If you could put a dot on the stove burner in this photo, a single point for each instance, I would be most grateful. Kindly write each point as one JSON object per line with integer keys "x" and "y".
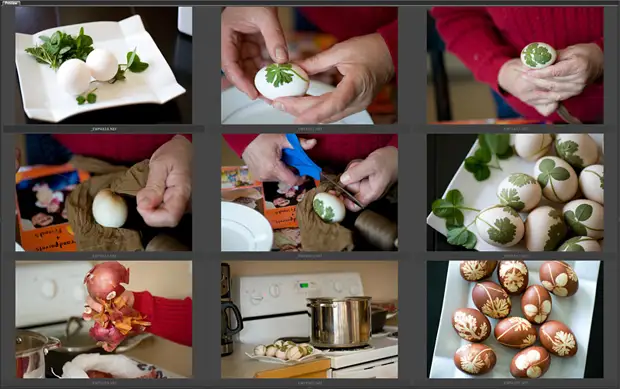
{"x": 343, "y": 350}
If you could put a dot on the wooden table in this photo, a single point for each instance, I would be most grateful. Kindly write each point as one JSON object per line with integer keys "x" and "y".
{"x": 160, "y": 22}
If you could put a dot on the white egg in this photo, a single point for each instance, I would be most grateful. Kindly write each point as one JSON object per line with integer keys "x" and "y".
{"x": 557, "y": 178}
{"x": 278, "y": 343}
{"x": 538, "y": 55}
{"x": 585, "y": 218}
{"x": 519, "y": 191}
{"x": 591, "y": 182}
{"x": 544, "y": 229}
{"x": 532, "y": 146}
{"x": 500, "y": 226}
{"x": 260, "y": 350}
{"x": 294, "y": 353}
{"x": 329, "y": 207}
{"x": 281, "y": 354}
{"x": 109, "y": 209}
{"x": 103, "y": 64}
{"x": 579, "y": 150}
{"x": 581, "y": 243}
{"x": 73, "y": 76}
{"x": 287, "y": 80}
{"x": 270, "y": 351}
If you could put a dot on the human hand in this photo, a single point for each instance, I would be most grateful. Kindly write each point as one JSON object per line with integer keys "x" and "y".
{"x": 366, "y": 64}
{"x": 575, "y": 68}
{"x": 264, "y": 158}
{"x": 167, "y": 194}
{"x": 370, "y": 179}
{"x": 92, "y": 305}
{"x": 512, "y": 78}
{"x": 244, "y": 31}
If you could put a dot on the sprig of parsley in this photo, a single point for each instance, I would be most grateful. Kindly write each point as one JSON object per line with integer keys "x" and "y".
{"x": 89, "y": 97}
{"x": 133, "y": 65}
{"x": 450, "y": 209}
{"x": 60, "y": 47}
{"x": 279, "y": 74}
{"x": 492, "y": 148}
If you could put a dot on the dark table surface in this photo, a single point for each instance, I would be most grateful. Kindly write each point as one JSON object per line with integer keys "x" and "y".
{"x": 453, "y": 149}
{"x": 160, "y": 22}
{"x": 436, "y": 283}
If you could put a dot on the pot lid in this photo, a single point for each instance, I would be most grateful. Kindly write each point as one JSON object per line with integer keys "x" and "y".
{"x": 27, "y": 342}
{"x": 336, "y": 300}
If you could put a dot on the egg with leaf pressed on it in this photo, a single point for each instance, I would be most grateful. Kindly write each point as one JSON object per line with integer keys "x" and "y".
{"x": 73, "y": 76}
{"x": 544, "y": 229}
{"x": 585, "y": 218}
{"x": 500, "y": 226}
{"x": 519, "y": 191}
{"x": 532, "y": 146}
{"x": 330, "y": 208}
{"x": 579, "y": 150}
{"x": 591, "y": 183}
{"x": 557, "y": 179}
{"x": 538, "y": 55}
{"x": 103, "y": 64}
{"x": 281, "y": 80}
{"x": 582, "y": 243}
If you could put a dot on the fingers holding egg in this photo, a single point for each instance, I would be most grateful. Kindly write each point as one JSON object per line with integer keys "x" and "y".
{"x": 281, "y": 80}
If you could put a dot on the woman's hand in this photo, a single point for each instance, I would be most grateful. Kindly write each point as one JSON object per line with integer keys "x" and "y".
{"x": 366, "y": 64}
{"x": 264, "y": 158}
{"x": 97, "y": 307}
{"x": 371, "y": 178}
{"x": 167, "y": 194}
{"x": 576, "y": 67}
{"x": 245, "y": 30}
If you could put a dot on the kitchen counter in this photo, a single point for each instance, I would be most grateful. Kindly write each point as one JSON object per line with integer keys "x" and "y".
{"x": 164, "y": 354}
{"x": 240, "y": 366}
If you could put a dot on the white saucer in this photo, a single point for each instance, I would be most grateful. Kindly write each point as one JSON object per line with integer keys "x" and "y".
{"x": 237, "y": 108}
{"x": 244, "y": 229}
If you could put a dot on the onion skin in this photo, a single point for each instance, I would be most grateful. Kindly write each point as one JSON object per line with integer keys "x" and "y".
{"x": 107, "y": 338}
{"x": 104, "y": 280}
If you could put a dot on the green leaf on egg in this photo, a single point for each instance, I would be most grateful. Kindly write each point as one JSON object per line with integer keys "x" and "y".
{"x": 521, "y": 179}
{"x": 280, "y": 74}
{"x": 503, "y": 231}
{"x": 510, "y": 197}
{"x": 329, "y": 214}
{"x": 567, "y": 151}
{"x": 555, "y": 234}
{"x": 535, "y": 53}
{"x": 572, "y": 244}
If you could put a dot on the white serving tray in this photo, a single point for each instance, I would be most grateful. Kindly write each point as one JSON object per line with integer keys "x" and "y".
{"x": 480, "y": 195}
{"x": 575, "y": 311}
{"x": 237, "y": 108}
{"x": 42, "y": 98}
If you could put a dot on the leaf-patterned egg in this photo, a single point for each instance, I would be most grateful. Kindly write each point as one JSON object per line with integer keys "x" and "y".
{"x": 329, "y": 207}
{"x": 544, "y": 229}
{"x": 515, "y": 332}
{"x": 520, "y": 192}
{"x": 557, "y": 179}
{"x": 591, "y": 183}
{"x": 491, "y": 299}
{"x": 581, "y": 243}
{"x": 513, "y": 276}
{"x": 477, "y": 270}
{"x": 532, "y": 362}
{"x": 500, "y": 226}
{"x": 532, "y": 146}
{"x": 558, "y": 339}
{"x": 471, "y": 325}
{"x": 559, "y": 278}
{"x": 585, "y": 218}
{"x": 475, "y": 359}
{"x": 579, "y": 150}
{"x": 536, "y": 304}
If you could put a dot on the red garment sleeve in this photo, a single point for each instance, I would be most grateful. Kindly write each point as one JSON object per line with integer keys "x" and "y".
{"x": 469, "y": 33}
{"x": 600, "y": 43}
{"x": 390, "y": 35}
{"x": 170, "y": 319}
{"x": 394, "y": 141}
{"x": 238, "y": 142}
{"x": 188, "y": 136}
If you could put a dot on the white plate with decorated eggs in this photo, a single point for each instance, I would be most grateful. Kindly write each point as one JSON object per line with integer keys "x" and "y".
{"x": 237, "y": 108}
{"x": 536, "y": 199}
{"x": 53, "y": 94}
{"x": 515, "y": 319}
{"x": 244, "y": 229}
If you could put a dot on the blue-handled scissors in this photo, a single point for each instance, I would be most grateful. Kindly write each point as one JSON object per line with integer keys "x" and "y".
{"x": 297, "y": 158}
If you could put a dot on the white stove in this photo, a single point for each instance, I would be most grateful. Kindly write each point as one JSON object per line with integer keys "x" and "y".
{"x": 274, "y": 307}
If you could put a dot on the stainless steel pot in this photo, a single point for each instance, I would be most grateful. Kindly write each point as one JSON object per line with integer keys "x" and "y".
{"x": 339, "y": 323}
{"x": 30, "y": 351}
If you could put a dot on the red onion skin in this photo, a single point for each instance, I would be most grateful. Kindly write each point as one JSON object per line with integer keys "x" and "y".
{"x": 107, "y": 338}
{"x": 105, "y": 278}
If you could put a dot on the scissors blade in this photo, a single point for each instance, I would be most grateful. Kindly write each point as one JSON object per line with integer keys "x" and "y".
{"x": 566, "y": 116}
{"x": 343, "y": 190}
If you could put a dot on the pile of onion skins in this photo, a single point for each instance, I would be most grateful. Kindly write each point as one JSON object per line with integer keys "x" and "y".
{"x": 116, "y": 319}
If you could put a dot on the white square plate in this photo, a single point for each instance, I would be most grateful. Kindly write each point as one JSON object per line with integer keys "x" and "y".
{"x": 575, "y": 311}
{"x": 42, "y": 99}
{"x": 480, "y": 195}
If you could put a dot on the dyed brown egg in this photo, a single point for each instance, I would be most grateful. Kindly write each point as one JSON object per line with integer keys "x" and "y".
{"x": 491, "y": 300}
{"x": 515, "y": 332}
{"x": 477, "y": 270}
{"x": 533, "y": 362}
{"x": 559, "y": 278}
{"x": 558, "y": 339}
{"x": 471, "y": 325}
{"x": 475, "y": 359}
{"x": 536, "y": 304}
{"x": 513, "y": 276}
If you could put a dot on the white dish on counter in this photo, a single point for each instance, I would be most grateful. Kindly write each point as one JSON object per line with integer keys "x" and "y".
{"x": 244, "y": 229}
{"x": 40, "y": 92}
{"x": 237, "y": 108}
{"x": 315, "y": 354}
{"x": 482, "y": 194}
{"x": 575, "y": 311}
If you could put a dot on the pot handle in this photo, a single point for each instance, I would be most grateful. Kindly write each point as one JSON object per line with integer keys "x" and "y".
{"x": 52, "y": 344}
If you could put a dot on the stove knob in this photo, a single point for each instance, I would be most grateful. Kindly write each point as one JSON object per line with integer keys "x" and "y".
{"x": 338, "y": 287}
{"x": 274, "y": 291}
{"x": 49, "y": 289}
{"x": 256, "y": 298}
{"x": 354, "y": 290}
{"x": 79, "y": 293}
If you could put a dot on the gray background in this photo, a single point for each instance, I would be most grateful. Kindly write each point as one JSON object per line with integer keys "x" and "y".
{"x": 412, "y": 273}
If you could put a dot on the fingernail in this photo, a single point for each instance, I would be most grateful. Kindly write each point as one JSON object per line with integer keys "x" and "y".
{"x": 279, "y": 106}
{"x": 345, "y": 178}
{"x": 280, "y": 54}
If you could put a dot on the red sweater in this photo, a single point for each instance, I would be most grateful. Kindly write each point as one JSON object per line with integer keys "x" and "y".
{"x": 170, "y": 319}
{"x": 484, "y": 38}
{"x": 334, "y": 150}
{"x": 121, "y": 148}
{"x": 348, "y": 22}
